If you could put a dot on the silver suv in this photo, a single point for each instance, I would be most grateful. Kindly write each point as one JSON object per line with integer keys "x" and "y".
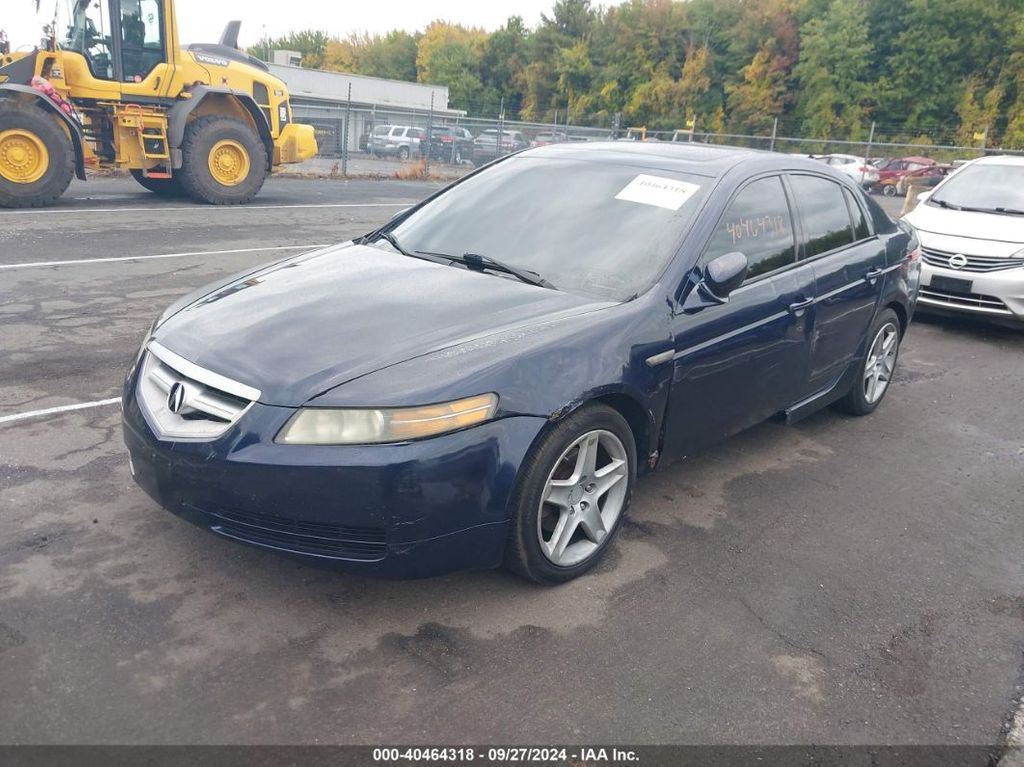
{"x": 399, "y": 141}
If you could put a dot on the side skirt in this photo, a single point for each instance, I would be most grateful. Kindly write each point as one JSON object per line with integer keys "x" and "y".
{"x": 823, "y": 398}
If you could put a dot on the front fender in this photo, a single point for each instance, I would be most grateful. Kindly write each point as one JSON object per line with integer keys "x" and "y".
{"x": 177, "y": 118}
{"x": 13, "y": 90}
{"x": 547, "y": 370}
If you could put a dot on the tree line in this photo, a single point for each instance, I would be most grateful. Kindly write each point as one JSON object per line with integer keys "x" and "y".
{"x": 922, "y": 70}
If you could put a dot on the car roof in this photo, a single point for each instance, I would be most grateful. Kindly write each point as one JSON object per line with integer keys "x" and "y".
{"x": 682, "y": 157}
{"x": 999, "y": 159}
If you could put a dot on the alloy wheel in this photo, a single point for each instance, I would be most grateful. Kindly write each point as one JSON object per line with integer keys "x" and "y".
{"x": 881, "y": 362}
{"x": 583, "y": 497}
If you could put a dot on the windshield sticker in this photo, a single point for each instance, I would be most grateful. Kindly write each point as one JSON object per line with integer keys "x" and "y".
{"x": 659, "y": 191}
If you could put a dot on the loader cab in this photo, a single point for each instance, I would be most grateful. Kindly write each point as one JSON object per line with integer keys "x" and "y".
{"x": 128, "y": 46}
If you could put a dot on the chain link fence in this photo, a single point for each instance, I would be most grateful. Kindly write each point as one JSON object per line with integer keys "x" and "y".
{"x": 345, "y": 134}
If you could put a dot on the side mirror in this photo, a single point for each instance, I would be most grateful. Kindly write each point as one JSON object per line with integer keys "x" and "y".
{"x": 724, "y": 274}
{"x": 924, "y": 196}
{"x": 720, "y": 278}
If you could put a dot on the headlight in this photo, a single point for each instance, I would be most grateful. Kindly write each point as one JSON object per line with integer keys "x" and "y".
{"x": 142, "y": 350}
{"x": 330, "y": 426}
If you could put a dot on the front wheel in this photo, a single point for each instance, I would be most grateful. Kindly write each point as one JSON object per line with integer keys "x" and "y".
{"x": 573, "y": 491}
{"x": 876, "y": 370}
{"x": 37, "y": 160}
{"x": 889, "y": 190}
{"x": 224, "y": 161}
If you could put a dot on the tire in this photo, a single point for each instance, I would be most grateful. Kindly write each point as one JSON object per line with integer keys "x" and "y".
{"x": 862, "y": 399}
{"x": 587, "y": 517}
{"x": 403, "y": 153}
{"x": 889, "y": 190}
{"x": 37, "y": 160}
{"x": 163, "y": 187}
{"x": 242, "y": 150}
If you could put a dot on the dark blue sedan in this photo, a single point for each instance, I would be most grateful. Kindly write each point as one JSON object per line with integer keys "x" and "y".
{"x": 481, "y": 380}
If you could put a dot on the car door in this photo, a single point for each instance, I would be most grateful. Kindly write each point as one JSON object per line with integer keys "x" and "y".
{"x": 739, "y": 362}
{"x": 144, "y": 61}
{"x": 848, "y": 261}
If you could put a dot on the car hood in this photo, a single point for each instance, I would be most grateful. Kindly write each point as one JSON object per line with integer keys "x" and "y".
{"x": 308, "y": 324}
{"x": 978, "y": 233}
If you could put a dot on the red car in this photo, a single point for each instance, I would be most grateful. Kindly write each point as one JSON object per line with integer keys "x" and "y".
{"x": 893, "y": 170}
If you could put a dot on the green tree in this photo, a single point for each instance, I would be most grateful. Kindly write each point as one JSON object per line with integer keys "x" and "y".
{"x": 450, "y": 54}
{"x": 760, "y": 97}
{"x": 311, "y": 43}
{"x": 832, "y": 70}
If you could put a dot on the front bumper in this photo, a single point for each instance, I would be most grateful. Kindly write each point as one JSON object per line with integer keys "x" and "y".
{"x": 408, "y": 510}
{"x": 998, "y": 295}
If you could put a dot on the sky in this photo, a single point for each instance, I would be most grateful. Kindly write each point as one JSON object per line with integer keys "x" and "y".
{"x": 201, "y": 21}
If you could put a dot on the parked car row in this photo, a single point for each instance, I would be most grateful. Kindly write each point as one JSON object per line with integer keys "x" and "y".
{"x": 453, "y": 143}
{"x": 890, "y": 176}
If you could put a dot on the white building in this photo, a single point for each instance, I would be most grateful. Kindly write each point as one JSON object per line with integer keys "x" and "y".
{"x": 320, "y": 99}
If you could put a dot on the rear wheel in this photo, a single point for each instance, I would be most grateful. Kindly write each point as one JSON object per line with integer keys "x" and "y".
{"x": 572, "y": 494}
{"x": 875, "y": 372}
{"x": 164, "y": 187}
{"x": 37, "y": 161}
{"x": 224, "y": 161}
{"x": 889, "y": 190}
{"x": 403, "y": 153}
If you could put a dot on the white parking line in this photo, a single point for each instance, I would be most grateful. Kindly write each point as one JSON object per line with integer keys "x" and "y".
{"x": 206, "y": 208}
{"x": 111, "y": 259}
{"x": 59, "y": 410}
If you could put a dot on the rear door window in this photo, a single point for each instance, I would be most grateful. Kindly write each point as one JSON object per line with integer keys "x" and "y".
{"x": 823, "y": 213}
{"x": 758, "y": 223}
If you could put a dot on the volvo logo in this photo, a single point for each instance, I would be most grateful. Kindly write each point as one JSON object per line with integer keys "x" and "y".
{"x": 957, "y": 261}
{"x": 176, "y": 397}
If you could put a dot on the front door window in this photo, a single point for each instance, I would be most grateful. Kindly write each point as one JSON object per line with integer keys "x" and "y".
{"x": 142, "y": 38}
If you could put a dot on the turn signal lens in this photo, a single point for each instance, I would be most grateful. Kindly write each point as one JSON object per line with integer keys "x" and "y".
{"x": 330, "y": 426}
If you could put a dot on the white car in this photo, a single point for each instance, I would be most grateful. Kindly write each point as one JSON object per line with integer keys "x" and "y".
{"x": 857, "y": 168}
{"x": 971, "y": 228}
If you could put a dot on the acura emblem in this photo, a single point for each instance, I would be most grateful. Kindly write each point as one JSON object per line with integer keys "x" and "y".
{"x": 957, "y": 261}
{"x": 176, "y": 397}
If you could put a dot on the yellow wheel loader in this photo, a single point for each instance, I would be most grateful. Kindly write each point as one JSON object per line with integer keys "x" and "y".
{"x": 119, "y": 91}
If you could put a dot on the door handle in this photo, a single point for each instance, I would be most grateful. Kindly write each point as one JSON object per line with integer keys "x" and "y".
{"x": 873, "y": 275}
{"x": 798, "y": 308}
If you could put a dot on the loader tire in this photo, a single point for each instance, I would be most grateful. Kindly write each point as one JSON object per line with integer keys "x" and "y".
{"x": 164, "y": 187}
{"x": 224, "y": 161}
{"x": 37, "y": 160}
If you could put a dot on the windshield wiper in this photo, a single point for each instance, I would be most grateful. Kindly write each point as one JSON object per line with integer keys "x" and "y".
{"x": 480, "y": 263}
{"x": 969, "y": 209}
{"x": 390, "y": 239}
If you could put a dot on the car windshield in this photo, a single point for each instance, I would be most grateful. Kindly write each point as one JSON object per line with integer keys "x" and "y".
{"x": 601, "y": 229}
{"x": 992, "y": 188}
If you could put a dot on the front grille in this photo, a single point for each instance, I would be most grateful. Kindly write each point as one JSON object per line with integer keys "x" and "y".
{"x": 337, "y": 541}
{"x": 974, "y": 263}
{"x": 970, "y": 301}
{"x": 205, "y": 404}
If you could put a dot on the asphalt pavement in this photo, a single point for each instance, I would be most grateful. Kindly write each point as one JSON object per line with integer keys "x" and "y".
{"x": 846, "y": 581}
